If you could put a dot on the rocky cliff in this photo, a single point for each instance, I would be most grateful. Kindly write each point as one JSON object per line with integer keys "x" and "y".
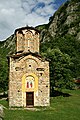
{"x": 62, "y": 31}
{"x": 66, "y": 21}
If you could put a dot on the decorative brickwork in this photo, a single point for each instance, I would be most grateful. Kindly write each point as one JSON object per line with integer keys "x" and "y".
{"x": 29, "y": 73}
{"x": 27, "y": 40}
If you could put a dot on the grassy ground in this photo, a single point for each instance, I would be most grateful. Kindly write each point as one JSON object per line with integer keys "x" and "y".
{"x": 62, "y": 108}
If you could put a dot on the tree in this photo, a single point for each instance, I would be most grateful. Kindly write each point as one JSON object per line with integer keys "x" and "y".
{"x": 60, "y": 69}
{"x": 3, "y": 75}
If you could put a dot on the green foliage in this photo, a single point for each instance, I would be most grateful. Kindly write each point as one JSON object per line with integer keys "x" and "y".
{"x": 60, "y": 68}
{"x": 63, "y": 49}
{"x": 6, "y": 47}
{"x": 75, "y": 1}
{"x": 3, "y": 75}
{"x": 61, "y": 108}
{"x": 41, "y": 27}
{"x": 64, "y": 55}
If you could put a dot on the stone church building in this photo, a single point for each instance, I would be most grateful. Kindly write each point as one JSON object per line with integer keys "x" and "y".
{"x": 28, "y": 72}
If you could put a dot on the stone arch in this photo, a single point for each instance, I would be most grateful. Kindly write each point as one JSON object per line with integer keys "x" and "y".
{"x": 24, "y": 90}
{"x": 37, "y": 60}
{"x": 24, "y": 82}
{"x": 33, "y": 60}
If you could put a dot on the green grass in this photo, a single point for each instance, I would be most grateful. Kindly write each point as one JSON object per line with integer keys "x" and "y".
{"x": 62, "y": 108}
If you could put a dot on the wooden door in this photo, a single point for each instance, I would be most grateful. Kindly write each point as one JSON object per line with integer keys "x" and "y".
{"x": 29, "y": 99}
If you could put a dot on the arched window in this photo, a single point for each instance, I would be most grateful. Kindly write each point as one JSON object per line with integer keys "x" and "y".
{"x": 29, "y": 82}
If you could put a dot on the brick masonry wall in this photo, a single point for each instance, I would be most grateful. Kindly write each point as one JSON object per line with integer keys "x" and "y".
{"x": 28, "y": 67}
{"x": 27, "y": 40}
{"x": 18, "y": 68}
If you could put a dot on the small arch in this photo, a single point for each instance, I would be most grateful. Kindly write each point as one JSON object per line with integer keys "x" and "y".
{"x": 24, "y": 81}
{"x": 36, "y": 33}
{"x": 20, "y": 32}
{"x": 33, "y": 58}
{"x": 28, "y": 31}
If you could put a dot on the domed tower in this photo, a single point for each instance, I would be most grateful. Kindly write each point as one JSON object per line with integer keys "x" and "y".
{"x": 27, "y": 39}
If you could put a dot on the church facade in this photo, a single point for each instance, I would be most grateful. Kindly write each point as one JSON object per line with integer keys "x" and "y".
{"x": 28, "y": 72}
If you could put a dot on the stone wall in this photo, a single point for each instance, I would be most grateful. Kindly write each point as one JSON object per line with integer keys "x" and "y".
{"x": 27, "y": 40}
{"x": 28, "y": 65}
{"x": 28, "y": 71}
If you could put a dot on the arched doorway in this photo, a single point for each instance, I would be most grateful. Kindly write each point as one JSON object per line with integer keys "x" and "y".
{"x": 29, "y": 89}
{"x": 30, "y": 80}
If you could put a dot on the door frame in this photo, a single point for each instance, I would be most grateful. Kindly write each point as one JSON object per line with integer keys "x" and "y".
{"x": 31, "y": 99}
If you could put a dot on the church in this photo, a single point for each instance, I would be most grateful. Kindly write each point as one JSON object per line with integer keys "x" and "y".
{"x": 29, "y": 83}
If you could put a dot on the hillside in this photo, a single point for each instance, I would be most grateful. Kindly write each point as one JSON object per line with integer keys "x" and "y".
{"x": 61, "y": 33}
{"x": 66, "y": 21}
{"x": 6, "y": 47}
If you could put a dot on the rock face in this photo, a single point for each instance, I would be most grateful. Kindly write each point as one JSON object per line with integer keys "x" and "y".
{"x": 29, "y": 73}
{"x": 65, "y": 21}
